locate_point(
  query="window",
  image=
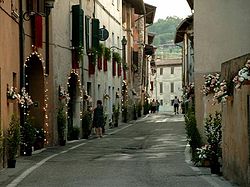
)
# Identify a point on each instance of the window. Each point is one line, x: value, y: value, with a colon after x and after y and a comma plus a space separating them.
x: 13, y: 6
x: 99, y: 91
x: 161, y: 102
x: 161, y: 71
x: 113, y: 39
x: 118, y: 42
x: 35, y: 5
x: 118, y: 4
x: 161, y: 87
x: 172, y: 70
x: 89, y: 88
x: 87, y: 31
x: 172, y: 87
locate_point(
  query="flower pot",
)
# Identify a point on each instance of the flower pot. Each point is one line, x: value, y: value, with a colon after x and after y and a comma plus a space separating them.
x: 246, y: 82
x: 206, y: 163
x: 62, y: 142
x: 11, y: 163
x: 215, y: 168
x: 11, y: 100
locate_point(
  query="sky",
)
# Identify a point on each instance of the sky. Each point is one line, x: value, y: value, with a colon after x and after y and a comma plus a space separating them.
x: 166, y: 8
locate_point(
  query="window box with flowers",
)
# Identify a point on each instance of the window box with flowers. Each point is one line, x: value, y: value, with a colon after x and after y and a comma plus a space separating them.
x: 211, y: 84
x: 243, y: 76
x: 116, y: 60
x: 189, y: 90
x: 221, y: 94
x: 107, y: 57
x: 24, y: 99
x: 63, y: 95
x: 12, y: 95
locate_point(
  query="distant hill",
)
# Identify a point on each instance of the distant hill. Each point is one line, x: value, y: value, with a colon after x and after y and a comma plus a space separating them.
x: 164, y: 31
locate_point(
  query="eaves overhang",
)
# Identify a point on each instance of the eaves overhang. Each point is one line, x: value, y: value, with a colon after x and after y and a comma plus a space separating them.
x: 150, y: 13
x: 138, y: 6
x: 191, y: 4
x: 181, y: 29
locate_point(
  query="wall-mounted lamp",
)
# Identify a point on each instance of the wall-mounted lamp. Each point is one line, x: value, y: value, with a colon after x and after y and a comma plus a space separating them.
x: 124, y: 41
x: 48, y: 5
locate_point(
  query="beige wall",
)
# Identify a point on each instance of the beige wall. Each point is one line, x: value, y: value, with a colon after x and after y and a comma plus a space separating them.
x: 235, y: 117
x: 221, y: 32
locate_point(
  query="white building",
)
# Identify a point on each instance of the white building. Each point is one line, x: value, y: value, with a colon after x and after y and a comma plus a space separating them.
x: 166, y: 83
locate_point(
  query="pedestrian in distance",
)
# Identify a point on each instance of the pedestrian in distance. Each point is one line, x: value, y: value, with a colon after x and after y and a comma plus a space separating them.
x: 98, y: 119
x: 157, y: 106
x: 153, y: 106
x: 176, y: 105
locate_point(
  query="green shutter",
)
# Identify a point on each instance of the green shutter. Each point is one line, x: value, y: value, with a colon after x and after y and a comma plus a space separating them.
x: 81, y: 28
x: 77, y: 26
x: 95, y: 33
x: 87, y: 31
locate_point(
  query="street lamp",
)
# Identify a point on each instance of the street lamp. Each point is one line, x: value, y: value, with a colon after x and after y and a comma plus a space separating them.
x: 124, y: 43
x: 49, y: 3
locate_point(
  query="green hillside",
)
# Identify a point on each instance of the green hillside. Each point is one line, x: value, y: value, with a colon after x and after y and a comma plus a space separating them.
x: 164, y: 31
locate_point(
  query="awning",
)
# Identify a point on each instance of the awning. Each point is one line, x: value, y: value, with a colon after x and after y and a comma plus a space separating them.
x: 181, y: 29
x: 150, y: 13
x: 191, y: 3
x: 138, y: 5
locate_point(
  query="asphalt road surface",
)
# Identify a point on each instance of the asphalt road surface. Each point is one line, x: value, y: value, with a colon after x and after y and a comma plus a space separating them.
x: 149, y: 152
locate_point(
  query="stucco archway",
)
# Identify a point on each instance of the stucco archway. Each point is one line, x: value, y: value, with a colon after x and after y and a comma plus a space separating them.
x: 35, y: 86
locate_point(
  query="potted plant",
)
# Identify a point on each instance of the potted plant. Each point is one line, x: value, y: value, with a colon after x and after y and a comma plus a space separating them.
x: 27, y: 137
x: 117, y: 57
x: 214, y: 138
x: 61, y: 124
x: 13, y: 141
x: 39, y: 138
x: 116, y: 114
x: 86, y: 123
x: 139, y: 109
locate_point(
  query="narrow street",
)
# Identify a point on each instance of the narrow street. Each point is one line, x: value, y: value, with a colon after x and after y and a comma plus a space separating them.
x: 144, y: 153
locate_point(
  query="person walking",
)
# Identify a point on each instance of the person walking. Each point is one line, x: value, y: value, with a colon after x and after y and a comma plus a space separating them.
x: 153, y: 106
x: 157, y: 106
x: 176, y: 105
x: 98, y: 119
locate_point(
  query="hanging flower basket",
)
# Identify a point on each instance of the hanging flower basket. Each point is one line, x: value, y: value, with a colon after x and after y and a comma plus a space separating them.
x: 221, y: 94
x: 11, y: 94
x: 105, y: 64
x: 243, y: 76
x: 211, y: 84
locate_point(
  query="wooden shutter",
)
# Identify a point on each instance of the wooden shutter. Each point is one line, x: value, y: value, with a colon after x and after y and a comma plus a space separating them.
x: 95, y: 33
x: 87, y: 32
x: 77, y: 26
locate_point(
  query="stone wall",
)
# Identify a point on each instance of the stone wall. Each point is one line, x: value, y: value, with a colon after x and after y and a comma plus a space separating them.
x: 235, y: 119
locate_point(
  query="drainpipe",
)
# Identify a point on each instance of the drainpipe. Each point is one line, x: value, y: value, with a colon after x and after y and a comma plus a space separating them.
x: 47, y: 41
x: 94, y: 10
x: 21, y: 57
